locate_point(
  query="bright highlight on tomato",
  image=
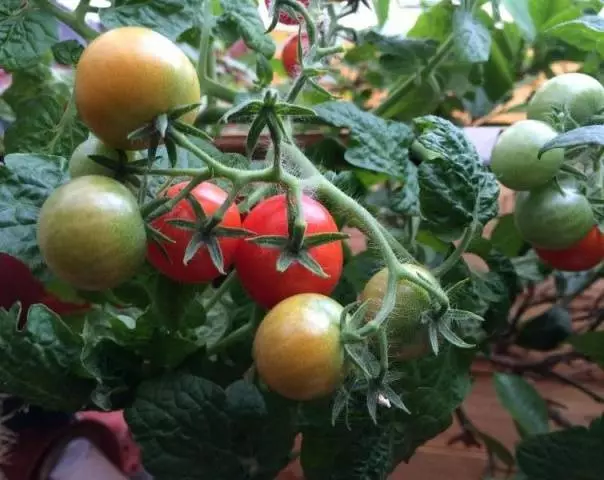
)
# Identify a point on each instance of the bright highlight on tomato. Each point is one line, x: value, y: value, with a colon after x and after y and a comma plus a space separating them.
x: 127, y: 77
x: 297, y: 348
x: 257, y: 265
x: 91, y: 233
x: 169, y: 257
x: 583, y: 255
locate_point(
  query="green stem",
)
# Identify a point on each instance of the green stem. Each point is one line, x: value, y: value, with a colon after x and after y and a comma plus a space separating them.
x: 295, y: 214
x: 383, y: 345
x: 232, y: 338
x: 452, y: 260
x: 69, y: 19
x: 296, y: 88
x: 220, y: 291
x: 219, y: 213
x: 406, y: 85
x: 81, y: 10
x: 398, y: 248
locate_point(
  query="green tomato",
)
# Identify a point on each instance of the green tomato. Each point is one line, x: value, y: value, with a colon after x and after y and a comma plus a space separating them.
x: 81, y: 164
x: 515, y: 160
x: 408, y: 338
x: 91, y: 233
x: 553, y: 216
x: 580, y: 95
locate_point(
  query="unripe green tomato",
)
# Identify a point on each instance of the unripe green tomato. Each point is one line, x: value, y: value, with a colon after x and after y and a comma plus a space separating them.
x: 81, y: 164
x: 579, y: 94
x: 553, y: 216
x: 515, y: 161
x: 408, y: 338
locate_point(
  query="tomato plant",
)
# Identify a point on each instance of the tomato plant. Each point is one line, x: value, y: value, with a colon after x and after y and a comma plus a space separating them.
x: 257, y: 264
x: 91, y: 233
x: 175, y: 255
x: 297, y: 348
x: 372, y: 266
x: 128, y: 76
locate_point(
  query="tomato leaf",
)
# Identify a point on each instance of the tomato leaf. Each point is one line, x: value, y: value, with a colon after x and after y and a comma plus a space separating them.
x: 572, y: 453
x: 524, y: 403
x: 506, y: 236
x: 27, y: 180
x: 584, y: 33
x: 189, y: 427
x: 183, y: 14
x: 67, y: 52
x: 590, y: 344
x: 520, y: 12
x: 41, y: 376
x: 472, y: 38
x: 590, y: 135
x: 244, y: 17
x: 27, y: 33
x: 455, y: 188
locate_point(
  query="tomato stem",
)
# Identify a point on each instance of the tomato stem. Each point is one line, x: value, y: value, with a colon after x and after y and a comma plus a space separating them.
x: 81, y: 10
x: 463, y: 245
x: 220, y: 291
x: 232, y: 338
x: 69, y: 19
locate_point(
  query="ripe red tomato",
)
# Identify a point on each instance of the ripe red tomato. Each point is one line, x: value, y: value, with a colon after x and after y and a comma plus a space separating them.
x: 297, y: 348
x: 583, y: 255
x: 256, y: 265
x: 289, y: 55
x: 171, y: 262
x: 284, y: 17
x: 128, y: 76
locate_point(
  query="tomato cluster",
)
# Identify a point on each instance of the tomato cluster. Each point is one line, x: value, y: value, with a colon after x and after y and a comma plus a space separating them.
x: 551, y: 212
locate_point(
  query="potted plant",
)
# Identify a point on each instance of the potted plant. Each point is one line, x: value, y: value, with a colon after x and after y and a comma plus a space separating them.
x: 213, y: 294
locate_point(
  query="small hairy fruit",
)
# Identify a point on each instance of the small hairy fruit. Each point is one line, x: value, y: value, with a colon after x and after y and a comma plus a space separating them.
x: 515, y: 160
x: 297, y: 348
x: 91, y: 233
x: 127, y: 77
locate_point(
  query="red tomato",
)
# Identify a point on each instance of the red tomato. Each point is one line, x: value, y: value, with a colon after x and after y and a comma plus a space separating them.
x: 200, y: 269
x: 284, y: 17
x: 289, y: 55
x: 256, y: 265
x: 583, y: 255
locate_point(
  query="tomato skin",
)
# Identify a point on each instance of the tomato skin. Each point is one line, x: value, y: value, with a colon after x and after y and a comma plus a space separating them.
x: 515, y: 161
x: 284, y: 17
x: 297, y: 348
x: 552, y: 219
x: 128, y: 76
x: 408, y: 338
x: 583, y: 255
x: 289, y: 55
x: 580, y: 94
x: 80, y: 164
x: 200, y: 269
x: 91, y: 233
x: 256, y: 265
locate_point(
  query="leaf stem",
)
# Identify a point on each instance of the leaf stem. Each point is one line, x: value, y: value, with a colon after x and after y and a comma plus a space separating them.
x: 452, y: 260
x: 232, y: 338
x: 220, y: 291
x: 81, y: 10
x: 69, y: 19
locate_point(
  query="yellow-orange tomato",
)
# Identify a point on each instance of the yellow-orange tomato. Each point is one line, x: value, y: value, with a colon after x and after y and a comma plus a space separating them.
x: 128, y: 76
x: 297, y: 349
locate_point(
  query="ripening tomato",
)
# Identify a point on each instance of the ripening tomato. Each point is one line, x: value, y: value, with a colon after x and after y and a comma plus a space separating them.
x: 284, y: 17
x: 91, y: 233
x: 81, y: 164
x: 289, y: 55
x: 257, y: 265
x: 169, y: 257
x: 553, y: 217
x: 127, y: 77
x: 583, y: 255
x: 408, y: 338
x: 515, y: 161
x: 297, y: 348
x: 578, y: 94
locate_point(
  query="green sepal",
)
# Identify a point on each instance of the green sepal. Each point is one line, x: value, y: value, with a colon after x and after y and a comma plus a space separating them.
x: 270, y: 241
x: 254, y: 133
x: 318, y: 239
x: 187, y: 129
x: 182, y: 110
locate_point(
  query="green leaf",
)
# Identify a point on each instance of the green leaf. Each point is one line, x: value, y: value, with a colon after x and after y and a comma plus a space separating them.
x: 590, y: 344
x: 455, y: 188
x: 382, y: 7
x: 434, y: 23
x: 189, y: 428
x: 584, y: 33
x: 506, y: 237
x: 572, y: 453
x: 472, y: 39
x: 377, y: 145
x: 547, y: 331
x: 38, y: 362
x: 175, y: 304
x: 523, y: 402
x: 27, y: 33
x: 183, y: 14
x: 244, y: 17
x: 27, y: 180
x: 520, y: 12
x: 590, y: 135
x: 46, y: 120
x: 67, y: 52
